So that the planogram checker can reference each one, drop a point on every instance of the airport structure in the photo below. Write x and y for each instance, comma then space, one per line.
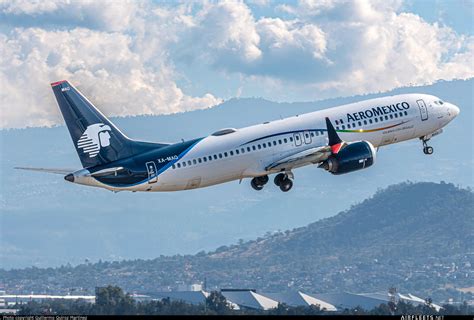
252, 299
238, 299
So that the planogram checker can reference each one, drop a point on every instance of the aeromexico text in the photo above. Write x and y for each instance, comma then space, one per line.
378, 111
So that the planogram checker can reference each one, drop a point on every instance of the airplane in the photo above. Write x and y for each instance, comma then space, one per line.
339, 140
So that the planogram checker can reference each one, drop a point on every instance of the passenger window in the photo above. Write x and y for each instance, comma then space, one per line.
307, 135
406, 113
205, 159
200, 160
279, 141
284, 140
376, 119
370, 121
291, 139
254, 148
231, 153
194, 161
220, 155
259, 147
365, 122
237, 151
360, 124
189, 163
391, 116
225, 154
184, 164
242, 150
248, 149
337, 122
386, 117
173, 166
396, 115
179, 165
312, 134
215, 157
343, 127
274, 143
264, 145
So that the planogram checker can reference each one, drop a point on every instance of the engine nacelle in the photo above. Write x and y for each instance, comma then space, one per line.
354, 156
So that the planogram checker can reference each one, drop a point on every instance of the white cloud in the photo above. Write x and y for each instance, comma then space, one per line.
222, 35
101, 64
104, 15
332, 47
124, 55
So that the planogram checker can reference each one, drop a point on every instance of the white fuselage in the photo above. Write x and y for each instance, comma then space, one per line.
246, 152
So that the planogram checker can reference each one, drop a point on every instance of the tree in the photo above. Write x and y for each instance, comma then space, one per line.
217, 303
112, 300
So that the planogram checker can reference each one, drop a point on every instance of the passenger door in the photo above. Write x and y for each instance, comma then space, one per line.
423, 109
152, 173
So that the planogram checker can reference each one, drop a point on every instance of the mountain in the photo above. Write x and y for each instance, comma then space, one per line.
416, 236
45, 221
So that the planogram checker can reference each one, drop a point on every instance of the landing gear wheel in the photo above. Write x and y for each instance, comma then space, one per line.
286, 185
255, 183
279, 178
262, 180
428, 150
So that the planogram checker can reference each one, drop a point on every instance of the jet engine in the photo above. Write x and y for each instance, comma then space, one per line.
354, 156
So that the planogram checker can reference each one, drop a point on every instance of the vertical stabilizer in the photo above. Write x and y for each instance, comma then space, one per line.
96, 139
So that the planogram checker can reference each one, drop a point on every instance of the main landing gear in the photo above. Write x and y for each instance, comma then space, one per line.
282, 180
426, 148
258, 182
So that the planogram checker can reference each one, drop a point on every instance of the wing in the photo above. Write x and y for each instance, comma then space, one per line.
48, 170
309, 156
313, 155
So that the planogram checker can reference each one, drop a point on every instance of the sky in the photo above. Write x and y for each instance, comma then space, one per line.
152, 57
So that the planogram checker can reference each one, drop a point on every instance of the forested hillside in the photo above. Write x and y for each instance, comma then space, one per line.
416, 236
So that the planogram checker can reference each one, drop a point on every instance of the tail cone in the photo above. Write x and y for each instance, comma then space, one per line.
69, 177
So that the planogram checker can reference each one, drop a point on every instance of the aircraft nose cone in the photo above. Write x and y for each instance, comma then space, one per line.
455, 110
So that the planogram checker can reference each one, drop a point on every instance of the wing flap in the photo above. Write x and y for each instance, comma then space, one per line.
313, 155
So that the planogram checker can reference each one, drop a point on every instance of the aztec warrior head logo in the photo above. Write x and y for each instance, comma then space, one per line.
96, 136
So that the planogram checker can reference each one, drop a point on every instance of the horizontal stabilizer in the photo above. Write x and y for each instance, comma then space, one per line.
48, 170
108, 171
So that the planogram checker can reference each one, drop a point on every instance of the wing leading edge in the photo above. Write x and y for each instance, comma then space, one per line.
313, 155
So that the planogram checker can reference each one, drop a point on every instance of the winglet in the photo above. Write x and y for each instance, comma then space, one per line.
334, 141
